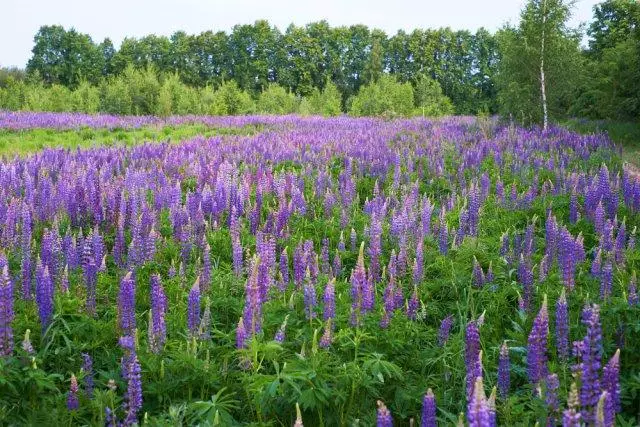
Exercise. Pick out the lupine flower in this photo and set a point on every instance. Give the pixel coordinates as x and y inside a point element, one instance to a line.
<point>429,410</point>
<point>193,309</point>
<point>72,396</point>
<point>562,327</point>
<point>298,422</point>
<point>606,280</point>
<point>44,295</point>
<point>241,334</point>
<point>127,305</point>
<point>131,374</point>
<point>478,411</point>
<point>280,334</point>
<point>573,207</point>
<point>590,356</point>
<point>571,417</point>
<point>611,380</point>
<point>445,329</point>
<point>87,368</point>
<point>384,418</point>
<point>412,304</point>
<point>6,313</point>
<point>327,336</point>
<point>329,301</point>
<point>472,355</point>
<point>551,397</point>
<point>537,346</point>
<point>284,268</point>
<point>337,264</point>
<point>604,411</point>
<point>504,368</point>
<point>26,343</point>
<point>358,283</point>
<point>157,326</point>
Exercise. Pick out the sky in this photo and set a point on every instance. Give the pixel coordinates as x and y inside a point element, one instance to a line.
<point>117,19</point>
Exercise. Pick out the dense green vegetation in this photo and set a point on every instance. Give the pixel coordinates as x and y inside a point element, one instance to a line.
<point>319,69</point>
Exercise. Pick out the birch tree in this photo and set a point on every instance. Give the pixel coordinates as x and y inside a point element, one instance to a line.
<point>540,66</point>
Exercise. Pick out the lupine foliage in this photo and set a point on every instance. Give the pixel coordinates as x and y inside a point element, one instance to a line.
<point>194,282</point>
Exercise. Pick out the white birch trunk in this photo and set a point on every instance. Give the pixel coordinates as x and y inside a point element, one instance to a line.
<point>543,88</point>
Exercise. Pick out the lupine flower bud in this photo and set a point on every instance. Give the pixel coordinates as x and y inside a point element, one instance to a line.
<point>537,346</point>
<point>504,367</point>
<point>384,418</point>
<point>72,396</point>
<point>429,410</point>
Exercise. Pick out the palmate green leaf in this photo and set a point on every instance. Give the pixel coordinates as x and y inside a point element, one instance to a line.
<point>218,407</point>
<point>381,369</point>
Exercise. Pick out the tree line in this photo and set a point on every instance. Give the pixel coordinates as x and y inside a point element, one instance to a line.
<point>461,72</point>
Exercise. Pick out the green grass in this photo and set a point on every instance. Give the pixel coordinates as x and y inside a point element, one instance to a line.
<point>626,134</point>
<point>28,141</point>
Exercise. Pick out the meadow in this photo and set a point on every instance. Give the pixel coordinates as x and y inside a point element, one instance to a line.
<point>272,270</point>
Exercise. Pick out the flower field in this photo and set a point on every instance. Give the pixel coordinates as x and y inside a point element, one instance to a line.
<point>319,271</point>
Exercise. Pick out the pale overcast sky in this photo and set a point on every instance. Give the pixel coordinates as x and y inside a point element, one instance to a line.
<point>116,19</point>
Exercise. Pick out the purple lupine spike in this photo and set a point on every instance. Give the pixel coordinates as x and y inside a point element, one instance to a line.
<point>596,265</point>
<point>384,418</point>
<point>241,334</point>
<point>472,355</point>
<point>358,283</point>
<point>329,301</point>
<point>504,244</point>
<point>6,312</point>
<point>571,416</point>
<point>443,233</point>
<point>157,326</point>
<point>605,416</point>
<point>309,296</point>
<point>44,295</point>
<point>375,246</point>
<point>131,374</point>
<point>412,304</point>
<point>606,282</point>
<point>590,356</point>
<point>327,336</point>
<point>127,305</point>
<point>280,333</point>
<point>193,309</point>
<point>478,411</point>
<point>599,218</point>
<point>504,368</point>
<point>72,396</point>
<point>562,327</point>
<point>341,246</point>
<point>551,398</point>
<point>478,278</point>
<point>537,346</point>
<point>632,297</point>
<point>611,380</point>
<point>620,244</point>
<point>337,264</point>
<point>445,329</point>
<point>429,410</point>
<point>26,263</point>
<point>236,244</point>
<point>87,368</point>
<point>324,255</point>
<point>284,268</point>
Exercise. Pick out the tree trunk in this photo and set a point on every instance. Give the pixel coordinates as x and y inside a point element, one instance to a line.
<point>543,88</point>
